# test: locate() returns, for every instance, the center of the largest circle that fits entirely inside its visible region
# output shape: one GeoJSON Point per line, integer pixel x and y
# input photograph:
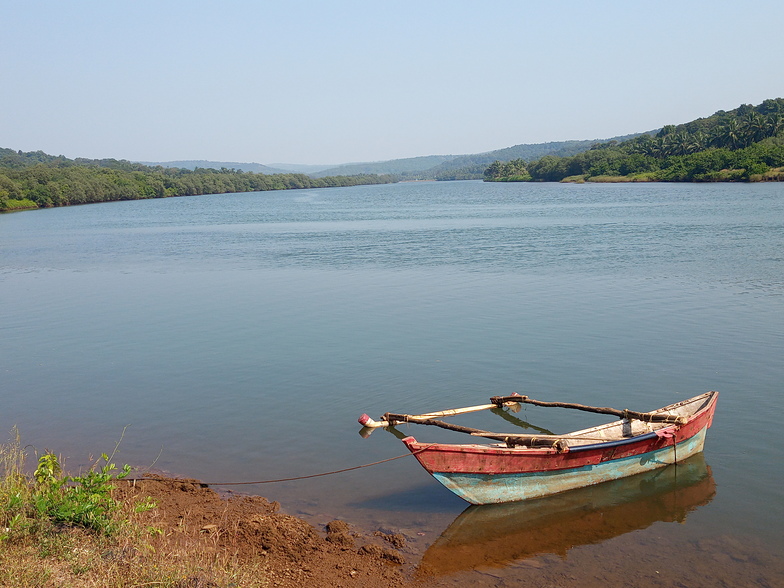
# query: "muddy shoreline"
{"type": "Point", "coordinates": [248, 527]}
{"type": "Point", "coordinates": [296, 553]}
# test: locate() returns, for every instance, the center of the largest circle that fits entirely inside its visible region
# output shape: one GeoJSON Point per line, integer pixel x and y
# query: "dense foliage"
{"type": "Point", "coordinates": [743, 144]}
{"type": "Point", "coordinates": [466, 172]}
{"type": "Point", "coordinates": [35, 179]}
{"type": "Point", "coordinates": [507, 171]}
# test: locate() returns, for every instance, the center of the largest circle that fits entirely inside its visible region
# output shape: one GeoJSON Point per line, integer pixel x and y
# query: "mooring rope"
{"type": "Point", "coordinates": [365, 465]}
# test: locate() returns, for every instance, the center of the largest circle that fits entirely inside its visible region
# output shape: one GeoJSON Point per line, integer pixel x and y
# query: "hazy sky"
{"type": "Point", "coordinates": [336, 81]}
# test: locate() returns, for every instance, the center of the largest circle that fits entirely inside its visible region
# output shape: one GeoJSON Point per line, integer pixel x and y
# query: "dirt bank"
{"type": "Point", "coordinates": [250, 528]}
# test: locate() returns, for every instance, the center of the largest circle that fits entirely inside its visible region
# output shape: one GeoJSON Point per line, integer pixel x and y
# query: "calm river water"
{"type": "Point", "coordinates": [240, 337]}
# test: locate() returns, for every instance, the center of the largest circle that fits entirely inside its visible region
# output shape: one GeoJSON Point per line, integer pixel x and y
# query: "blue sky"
{"type": "Point", "coordinates": [341, 81]}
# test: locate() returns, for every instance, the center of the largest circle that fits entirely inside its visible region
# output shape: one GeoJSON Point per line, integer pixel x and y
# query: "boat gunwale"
{"type": "Point", "coordinates": [708, 398]}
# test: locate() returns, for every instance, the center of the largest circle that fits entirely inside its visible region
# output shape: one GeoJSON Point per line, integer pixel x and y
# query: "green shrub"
{"type": "Point", "coordinates": [52, 499]}
{"type": "Point", "coordinates": [77, 501]}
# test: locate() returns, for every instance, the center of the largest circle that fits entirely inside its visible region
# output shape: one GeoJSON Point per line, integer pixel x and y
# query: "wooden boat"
{"type": "Point", "coordinates": [525, 466]}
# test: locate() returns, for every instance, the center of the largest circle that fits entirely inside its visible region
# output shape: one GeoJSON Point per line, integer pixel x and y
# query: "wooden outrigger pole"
{"type": "Point", "coordinates": [647, 417]}
{"type": "Point", "coordinates": [431, 418]}
{"type": "Point", "coordinates": [366, 421]}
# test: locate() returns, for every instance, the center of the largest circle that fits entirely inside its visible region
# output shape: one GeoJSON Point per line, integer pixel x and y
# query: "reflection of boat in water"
{"type": "Point", "coordinates": [496, 535]}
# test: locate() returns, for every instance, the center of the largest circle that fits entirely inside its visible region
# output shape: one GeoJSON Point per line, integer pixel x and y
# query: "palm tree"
{"type": "Point", "coordinates": [752, 128]}
{"type": "Point", "coordinates": [643, 144]}
{"type": "Point", "coordinates": [699, 142]}
{"type": "Point", "coordinates": [680, 143]}
{"type": "Point", "coordinates": [774, 124]}
{"type": "Point", "coordinates": [729, 135]}
{"type": "Point", "coordinates": [660, 146]}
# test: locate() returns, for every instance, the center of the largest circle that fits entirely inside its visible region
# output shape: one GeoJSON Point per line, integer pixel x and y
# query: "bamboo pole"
{"type": "Point", "coordinates": [510, 440]}
{"type": "Point", "coordinates": [366, 421]}
{"type": "Point", "coordinates": [624, 414]}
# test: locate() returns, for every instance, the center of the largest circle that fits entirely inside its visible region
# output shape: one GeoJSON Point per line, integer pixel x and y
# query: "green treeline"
{"type": "Point", "coordinates": [35, 179]}
{"type": "Point", "coordinates": [509, 171]}
{"type": "Point", "coordinates": [745, 144]}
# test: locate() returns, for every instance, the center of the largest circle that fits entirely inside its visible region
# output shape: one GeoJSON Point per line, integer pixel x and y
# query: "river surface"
{"type": "Point", "coordinates": [239, 337]}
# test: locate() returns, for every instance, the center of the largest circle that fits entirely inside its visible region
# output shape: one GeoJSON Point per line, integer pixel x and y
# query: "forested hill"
{"type": "Point", "coordinates": [471, 167]}
{"type": "Point", "coordinates": [203, 163]}
{"type": "Point", "coordinates": [410, 168]}
{"type": "Point", "coordinates": [744, 144]}
{"type": "Point", "coordinates": [463, 167]}
{"type": "Point", "coordinates": [36, 179]}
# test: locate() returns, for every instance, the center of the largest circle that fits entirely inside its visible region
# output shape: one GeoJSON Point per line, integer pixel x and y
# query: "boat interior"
{"type": "Point", "coordinates": [628, 428]}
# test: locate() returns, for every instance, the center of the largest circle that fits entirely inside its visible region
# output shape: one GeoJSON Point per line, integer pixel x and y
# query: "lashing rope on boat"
{"type": "Point", "coordinates": [648, 417]}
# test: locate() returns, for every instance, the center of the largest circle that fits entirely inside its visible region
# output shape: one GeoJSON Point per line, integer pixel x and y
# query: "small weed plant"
{"type": "Point", "coordinates": [78, 501]}
{"type": "Point", "coordinates": [54, 500]}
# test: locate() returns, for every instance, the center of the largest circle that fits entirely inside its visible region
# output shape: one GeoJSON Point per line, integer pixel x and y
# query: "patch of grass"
{"type": "Point", "coordinates": [638, 177]}
{"type": "Point", "coordinates": [51, 499]}
{"type": "Point", "coordinates": [518, 178]}
{"type": "Point", "coordinates": [610, 179]}
{"type": "Point", "coordinates": [772, 175]}
{"type": "Point", "coordinates": [89, 561]}
{"type": "Point", "coordinates": [15, 492]}
{"type": "Point", "coordinates": [724, 175]}
{"type": "Point", "coordinates": [14, 204]}
{"type": "Point", "coordinates": [60, 530]}
{"type": "Point", "coordinates": [33, 509]}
